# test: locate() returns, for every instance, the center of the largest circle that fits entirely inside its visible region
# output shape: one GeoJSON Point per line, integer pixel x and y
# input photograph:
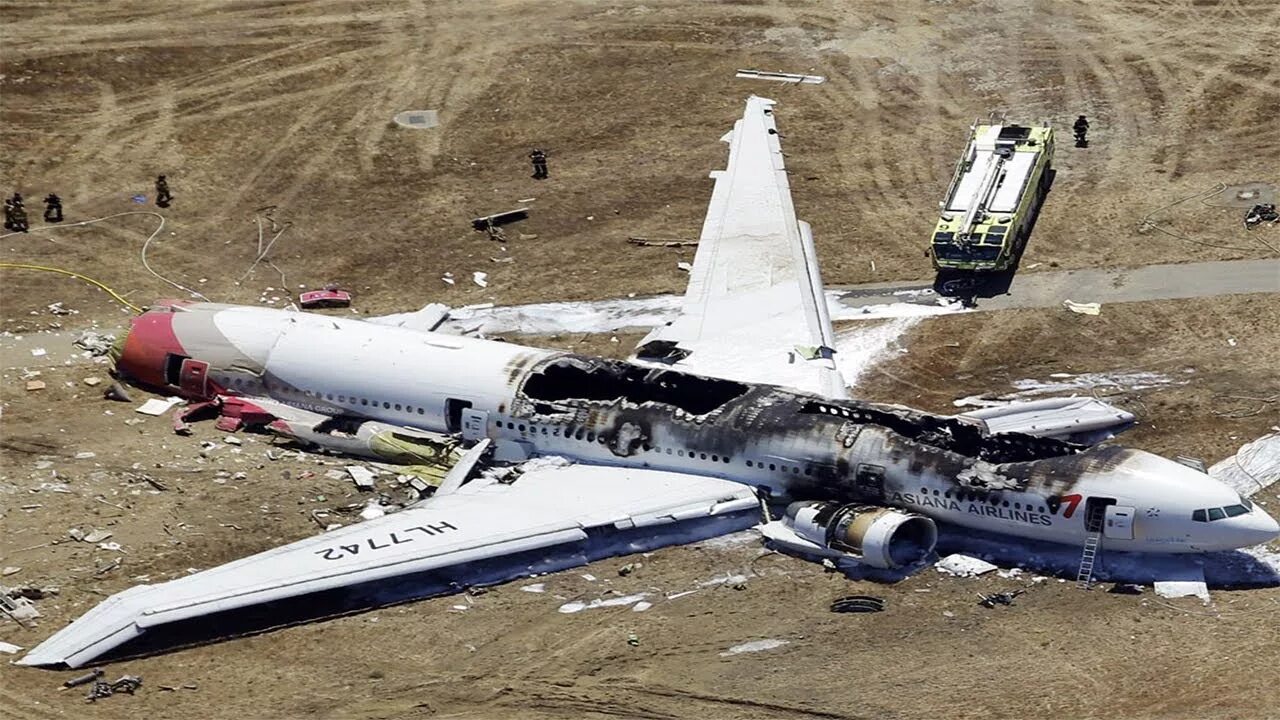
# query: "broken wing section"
{"type": "Point", "coordinates": [484, 533]}
{"type": "Point", "coordinates": [754, 310]}
{"type": "Point", "coordinates": [1080, 420]}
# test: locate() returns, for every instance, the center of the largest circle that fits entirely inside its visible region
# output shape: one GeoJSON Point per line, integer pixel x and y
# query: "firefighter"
{"type": "Point", "coordinates": [52, 208]}
{"type": "Point", "coordinates": [163, 196]}
{"type": "Point", "coordinates": [539, 160]}
{"type": "Point", "coordinates": [1081, 128]}
{"type": "Point", "coordinates": [16, 214]}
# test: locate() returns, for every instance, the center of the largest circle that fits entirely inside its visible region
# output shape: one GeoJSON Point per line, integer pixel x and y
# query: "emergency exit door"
{"type": "Point", "coordinates": [1119, 522]}
{"type": "Point", "coordinates": [193, 378]}
{"type": "Point", "coordinates": [474, 423]}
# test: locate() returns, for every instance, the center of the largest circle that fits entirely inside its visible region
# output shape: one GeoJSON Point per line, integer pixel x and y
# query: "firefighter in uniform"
{"type": "Point", "coordinates": [539, 160]}
{"type": "Point", "coordinates": [163, 196]}
{"type": "Point", "coordinates": [17, 213]}
{"type": "Point", "coordinates": [52, 208]}
{"type": "Point", "coordinates": [1082, 128]}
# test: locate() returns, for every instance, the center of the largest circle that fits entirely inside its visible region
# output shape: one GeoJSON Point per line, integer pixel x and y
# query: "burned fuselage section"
{"type": "Point", "coordinates": [792, 444]}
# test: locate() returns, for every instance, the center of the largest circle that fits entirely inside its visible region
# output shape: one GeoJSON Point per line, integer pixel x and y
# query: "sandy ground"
{"type": "Point", "coordinates": [249, 104]}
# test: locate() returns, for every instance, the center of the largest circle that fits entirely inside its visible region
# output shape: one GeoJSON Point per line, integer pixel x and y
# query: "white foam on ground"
{"type": "Point", "coordinates": [1065, 383]}
{"type": "Point", "coordinates": [755, 646]}
{"type": "Point", "coordinates": [963, 565]}
{"type": "Point", "coordinates": [858, 349]}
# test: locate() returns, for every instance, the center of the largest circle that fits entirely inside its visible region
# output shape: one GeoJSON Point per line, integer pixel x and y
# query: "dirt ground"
{"type": "Point", "coordinates": [289, 104]}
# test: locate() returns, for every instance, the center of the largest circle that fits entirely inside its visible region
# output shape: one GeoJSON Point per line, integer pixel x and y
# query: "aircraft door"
{"type": "Point", "coordinates": [193, 378]}
{"type": "Point", "coordinates": [474, 423]}
{"type": "Point", "coordinates": [868, 481]}
{"type": "Point", "coordinates": [1119, 522]}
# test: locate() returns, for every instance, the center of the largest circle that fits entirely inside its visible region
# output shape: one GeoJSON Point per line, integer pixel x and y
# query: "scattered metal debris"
{"type": "Point", "coordinates": [629, 568]}
{"type": "Point", "coordinates": [963, 566]}
{"type": "Point", "coordinates": [117, 392]}
{"type": "Point", "coordinates": [1083, 308]}
{"type": "Point", "coordinates": [127, 684]}
{"type": "Point", "coordinates": [503, 218]}
{"type": "Point", "coordinates": [781, 77]}
{"type": "Point", "coordinates": [329, 297]}
{"type": "Point", "coordinates": [857, 604]}
{"type": "Point", "coordinates": [95, 343]}
{"type": "Point", "coordinates": [1000, 598]}
{"type": "Point", "coordinates": [156, 407]}
{"type": "Point", "coordinates": [9, 648]}
{"type": "Point", "coordinates": [661, 242]}
{"type": "Point", "coordinates": [1259, 214]}
{"type": "Point", "coordinates": [84, 679]}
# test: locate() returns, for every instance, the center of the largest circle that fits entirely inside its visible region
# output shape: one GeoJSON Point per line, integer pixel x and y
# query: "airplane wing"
{"type": "Point", "coordinates": [550, 518]}
{"type": "Point", "coordinates": [754, 309]}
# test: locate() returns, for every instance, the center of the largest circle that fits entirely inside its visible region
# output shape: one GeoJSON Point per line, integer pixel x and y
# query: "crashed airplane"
{"type": "Point", "coordinates": [733, 406]}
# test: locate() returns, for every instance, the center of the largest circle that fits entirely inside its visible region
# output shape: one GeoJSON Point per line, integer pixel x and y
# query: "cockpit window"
{"type": "Point", "coordinates": [1235, 510]}
{"type": "Point", "coordinates": [1211, 514]}
{"type": "Point", "coordinates": [1199, 516]}
{"type": "Point", "coordinates": [1216, 514]}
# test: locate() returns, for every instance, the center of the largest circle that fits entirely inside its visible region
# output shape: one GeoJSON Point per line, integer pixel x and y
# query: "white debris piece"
{"type": "Point", "coordinates": [372, 509]}
{"type": "Point", "coordinates": [480, 278]}
{"type": "Point", "coordinates": [38, 352]}
{"type": "Point", "coordinates": [86, 455]}
{"type": "Point", "coordinates": [96, 536]}
{"type": "Point", "coordinates": [156, 406]}
{"type": "Point", "coordinates": [535, 588]}
{"type": "Point", "coordinates": [231, 440]}
{"type": "Point", "coordinates": [9, 648]}
{"type": "Point", "coordinates": [1183, 588]}
{"type": "Point", "coordinates": [755, 646]}
{"type": "Point", "coordinates": [641, 606]}
{"type": "Point", "coordinates": [578, 606]}
{"type": "Point", "coordinates": [362, 476]}
{"type": "Point", "coordinates": [687, 267]}
{"type": "Point", "coordinates": [10, 570]}
{"type": "Point", "coordinates": [963, 566]}
{"type": "Point", "coordinates": [1083, 308]}
{"type": "Point", "coordinates": [1254, 467]}
{"type": "Point", "coordinates": [781, 77]}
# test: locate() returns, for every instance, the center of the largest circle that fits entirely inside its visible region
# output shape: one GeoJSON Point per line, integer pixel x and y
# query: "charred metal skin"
{"type": "Point", "coordinates": [791, 445]}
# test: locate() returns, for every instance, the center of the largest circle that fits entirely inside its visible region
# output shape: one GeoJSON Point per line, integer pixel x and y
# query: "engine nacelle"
{"type": "Point", "coordinates": [883, 537]}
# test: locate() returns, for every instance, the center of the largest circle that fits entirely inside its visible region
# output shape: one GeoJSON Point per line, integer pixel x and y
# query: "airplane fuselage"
{"type": "Point", "coordinates": [791, 444]}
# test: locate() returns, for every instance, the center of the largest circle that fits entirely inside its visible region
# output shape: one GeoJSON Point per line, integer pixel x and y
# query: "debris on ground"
{"type": "Point", "coordinates": [857, 604]}
{"type": "Point", "coordinates": [1083, 308]}
{"type": "Point", "coordinates": [84, 679]}
{"type": "Point", "coordinates": [963, 566]}
{"type": "Point", "coordinates": [156, 407]}
{"type": "Point", "coordinates": [92, 381]}
{"type": "Point", "coordinates": [329, 297]}
{"type": "Point", "coordinates": [127, 684]}
{"type": "Point", "coordinates": [489, 222]}
{"type": "Point", "coordinates": [629, 568]}
{"type": "Point", "coordinates": [33, 385]}
{"type": "Point", "coordinates": [754, 646]}
{"type": "Point", "coordinates": [794, 78]}
{"type": "Point", "coordinates": [1259, 214]}
{"type": "Point", "coordinates": [95, 343]}
{"type": "Point", "coordinates": [1000, 598]}
{"type": "Point", "coordinates": [1125, 589]}
{"type": "Point", "coordinates": [362, 476]}
{"type": "Point", "coordinates": [661, 242]}
{"type": "Point", "coordinates": [577, 606]}
{"type": "Point", "coordinates": [480, 278]}
{"type": "Point", "coordinates": [633, 640]}
{"type": "Point", "coordinates": [17, 607]}
{"type": "Point", "coordinates": [117, 392]}
{"type": "Point", "coordinates": [9, 648]}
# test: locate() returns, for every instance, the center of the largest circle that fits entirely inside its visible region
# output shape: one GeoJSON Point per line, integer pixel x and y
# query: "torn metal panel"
{"type": "Point", "coordinates": [781, 77]}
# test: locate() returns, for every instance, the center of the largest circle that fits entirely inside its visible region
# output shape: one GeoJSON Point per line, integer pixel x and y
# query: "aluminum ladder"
{"type": "Point", "coordinates": [1084, 576]}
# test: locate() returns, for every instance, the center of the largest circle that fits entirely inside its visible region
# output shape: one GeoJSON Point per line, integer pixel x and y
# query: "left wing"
{"type": "Point", "coordinates": [754, 309]}
{"type": "Point", "coordinates": [486, 532]}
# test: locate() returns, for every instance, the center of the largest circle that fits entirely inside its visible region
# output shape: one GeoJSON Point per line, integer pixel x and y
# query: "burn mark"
{"type": "Point", "coordinates": [578, 378]}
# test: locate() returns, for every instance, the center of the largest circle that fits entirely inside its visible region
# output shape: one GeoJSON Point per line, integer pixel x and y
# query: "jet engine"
{"type": "Point", "coordinates": [883, 537]}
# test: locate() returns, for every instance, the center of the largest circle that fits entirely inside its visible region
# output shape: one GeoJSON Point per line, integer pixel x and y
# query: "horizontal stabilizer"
{"type": "Point", "coordinates": [1082, 420]}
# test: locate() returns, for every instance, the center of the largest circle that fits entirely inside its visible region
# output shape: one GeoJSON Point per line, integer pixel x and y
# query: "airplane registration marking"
{"type": "Point", "coordinates": [339, 552]}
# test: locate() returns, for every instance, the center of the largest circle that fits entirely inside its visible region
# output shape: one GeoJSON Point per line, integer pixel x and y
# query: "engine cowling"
{"type": "Point", "coordinates": [882, 537]}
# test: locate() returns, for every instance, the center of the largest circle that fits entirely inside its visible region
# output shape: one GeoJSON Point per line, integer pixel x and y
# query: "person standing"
{"type": "Point", "coordinates": [163, 196]}
{"type": "Point", "coordinates": [17, 213]}
{"type": "Point", "coordinates": [539, 160]}
{"type": "Point", "coordinates": [52, 208]}
{"type": "Point", "coordinates": [1081, 128]}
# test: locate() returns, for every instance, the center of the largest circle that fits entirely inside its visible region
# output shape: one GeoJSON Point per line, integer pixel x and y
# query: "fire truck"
{"type": "Point", "coordinates": [994, 196]}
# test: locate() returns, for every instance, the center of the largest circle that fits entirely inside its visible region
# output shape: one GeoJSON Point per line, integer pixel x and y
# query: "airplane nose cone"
{"type": "Point", "coordinates": [1263, 526]}
{"type": "Point", "coordinates": [146, 347]}
{"type": "Point", "coordinates": [1253, 528]}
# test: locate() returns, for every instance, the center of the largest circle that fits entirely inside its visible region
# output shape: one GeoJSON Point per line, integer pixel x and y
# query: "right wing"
{"type": "Point", "coordinates": [486, 532]}
{"type": "Point", "coordinates": [754, 310]}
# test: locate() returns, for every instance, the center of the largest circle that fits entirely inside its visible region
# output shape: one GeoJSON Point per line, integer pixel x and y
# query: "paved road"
{"type": "Point", "coordinates": [1049, 289]}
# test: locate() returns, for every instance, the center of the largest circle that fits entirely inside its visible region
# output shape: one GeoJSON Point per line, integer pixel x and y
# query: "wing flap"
{"type": "Point", "coordinates": [483, 533]}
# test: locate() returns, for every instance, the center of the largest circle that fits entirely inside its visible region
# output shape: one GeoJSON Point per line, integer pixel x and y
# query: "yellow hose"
{"type": "Point", "coordinates": [117, 296]}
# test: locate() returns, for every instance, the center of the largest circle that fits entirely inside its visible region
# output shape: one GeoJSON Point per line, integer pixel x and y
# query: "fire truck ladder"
{"type": "Point", "coordinates": [1084, 576]}
{"type": "Point", "coordinates": [986, 189]}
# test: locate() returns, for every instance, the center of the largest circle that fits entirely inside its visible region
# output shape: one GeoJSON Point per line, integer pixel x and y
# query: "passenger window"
{"type": "Point", "coordinates": [1216, 514]}
{"type": "Point", "coordinates": [1199, 516]}
{"type": "Point", "coordinates": [591, 437]}
{"type": "Point", "coordinates": [364, 401]}
{"type": "Point", "coordinates": [772, 466]}
{"type": "Point", "coordinates": [714, 458]}
{"type": "Point", "coordinates": [749, 463]}
{"type": "Point", "coordinates": [420, 411]}
{"type": "Point", "coordinates": [397, 406]}
{"type": "Point", "coordinates": [386, 404]}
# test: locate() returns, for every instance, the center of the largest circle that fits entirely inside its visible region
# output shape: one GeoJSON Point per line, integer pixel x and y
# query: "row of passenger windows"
{"type": "Point", "coordinates": [1211, 514]}
{"type": "Point", "coordinates": [589, 436]}
{"type": "Point", "coordinates": [966, 496]}
{"type": "Point", "coordinates": [242, 383]}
